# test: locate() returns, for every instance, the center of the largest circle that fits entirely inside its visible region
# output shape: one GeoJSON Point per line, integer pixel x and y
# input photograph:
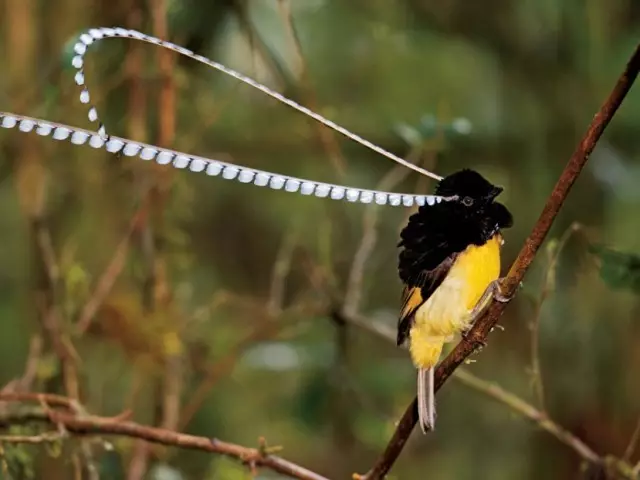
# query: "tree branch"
{"type": "Point", "coordinates": [618, 465]}
{"type": "Point", "coordinates": [528, 411]}
{"type": "Point", "coordinates": [488, 320]}
{"type": "Point", "coordinates": [84, 424]}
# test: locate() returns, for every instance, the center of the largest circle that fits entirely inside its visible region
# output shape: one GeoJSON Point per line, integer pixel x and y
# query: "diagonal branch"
{"type": "Point", "coordinates": [530, 412]}
{"type": "Point", "coordinates": [620, 466]}
{"type": "Point", "coordinates": [488, 320]}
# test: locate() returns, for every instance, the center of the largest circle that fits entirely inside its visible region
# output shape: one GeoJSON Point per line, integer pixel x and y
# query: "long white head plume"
{"type": "Point", "coordinates": [225, 170]}
{"type": "Point", "coordinates": [101, 139]}
{"type": "Point", "coordinates": [95, 34]}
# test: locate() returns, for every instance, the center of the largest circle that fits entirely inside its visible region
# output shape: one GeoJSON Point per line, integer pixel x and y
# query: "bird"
{"type": "Point", "coordinates": [449, 266]}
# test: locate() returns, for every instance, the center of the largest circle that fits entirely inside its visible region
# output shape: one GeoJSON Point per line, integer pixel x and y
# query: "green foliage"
{"type": "Point", "coordinates": [503, 86]}
{"type": "Point", "coordinates": [619, 270]}
{"type": "Point", "coordinates": [18, 462]}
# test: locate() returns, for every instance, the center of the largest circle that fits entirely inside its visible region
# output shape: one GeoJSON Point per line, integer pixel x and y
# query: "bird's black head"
{"type": "Point", "coordinates": [472, 197]}
{"type": "Point", "coordinates": [468, 188]}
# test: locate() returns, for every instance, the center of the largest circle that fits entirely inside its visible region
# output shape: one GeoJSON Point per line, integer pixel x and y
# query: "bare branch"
{"type": "Point", "coordinates": [488, 320]}
{"type": "Point", "coordinates": [512, 401]}
{"type": "Point", "coordinates": [547, 288]}
{"type": "Point", "coordinates": [48, 399]}
{"type": "Point", "coordinates": [280, 272]}
{"type": "Point", "coordinates": [633, 443]}
{"type": "Point", "coordinates": [109, 276]}
{"type": "Point", "coordinates": [46, 437]}
{"type": "Point", "coordinates": [368, 241]}
{"type": "Point", "coordinates": [528, 411]}
{"type": "Point", "coordinates": [103, 426]}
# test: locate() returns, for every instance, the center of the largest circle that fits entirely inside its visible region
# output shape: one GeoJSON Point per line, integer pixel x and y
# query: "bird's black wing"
{"type": "Point", "coordinates": [430, 243]}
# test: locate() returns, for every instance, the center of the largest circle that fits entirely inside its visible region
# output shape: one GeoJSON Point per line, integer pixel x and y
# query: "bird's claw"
{"type": "Point", "coordinates": [499, 295]}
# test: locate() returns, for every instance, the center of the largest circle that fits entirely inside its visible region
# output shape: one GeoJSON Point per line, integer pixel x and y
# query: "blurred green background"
{"type": "Point", "coordinates": [219, 319]}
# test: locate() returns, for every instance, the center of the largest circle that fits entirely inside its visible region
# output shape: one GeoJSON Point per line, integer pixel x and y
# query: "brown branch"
{"type": "Point", "coordinates": [47, 399]}
{"type": "Point", "coordinates": [488, 320]}
{"type": "Point", "coordinates": [157, 290]}
{"type": "Point", "coordinates": [633, 443]}
{"type": "Point", "coordinates": [611, 466]}
{"type": "Point", "coordinates": [110, 275]}
{"type": "Point", "coordinates": [539, 417]}
{"type": "Point", "coordinates": [114, 426]}
{"type": "Point", "coordinates": [530, 412]}
{"type": "Point", "coordinates": [46, 437]}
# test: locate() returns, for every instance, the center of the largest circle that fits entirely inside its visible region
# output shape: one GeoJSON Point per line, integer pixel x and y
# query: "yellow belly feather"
{"type": "Point", "coordinates": [446, 312]}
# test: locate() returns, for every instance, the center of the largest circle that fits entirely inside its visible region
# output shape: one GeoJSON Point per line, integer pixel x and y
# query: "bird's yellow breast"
{"type": "Point", "coordinates": [446, 312]}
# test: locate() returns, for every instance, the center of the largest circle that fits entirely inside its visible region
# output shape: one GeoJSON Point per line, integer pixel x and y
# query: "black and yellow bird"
{"type": "Point", "coordinates": [449, 265]}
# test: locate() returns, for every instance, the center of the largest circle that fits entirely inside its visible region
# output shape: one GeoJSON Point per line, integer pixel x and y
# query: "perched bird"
{"type": "Point", "coordinates": [449, 265]}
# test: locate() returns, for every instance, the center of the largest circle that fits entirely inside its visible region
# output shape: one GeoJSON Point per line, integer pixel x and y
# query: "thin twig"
{"type": "Point", "coordinates": [223, 366]}
{"type": "Point", "coordinates": [539, 417]}
{"type": "Point", "coordinates": [48, 399]}
{"type": "Point", "coordinates": [280, 272]}
{"type": "Point", "coordinates": [46, 437]}
{"type": "Point", "coordinates": [263, 330]}
{"type": "Point", "coordinates": [156, 290]}
{"type": "Point", "coordinates": [354, 290]}
{"type": "Point", "coordinates": [633, 443]}
{"type": "Point", "coordinates": [110, 275]}
{"type": "Point", "coordinates": [325, 135]}
{"type": "Point", "coordinates": [23, 383]}
{"type": "Point", "coordinates": [31, 365]}
{"type": "Point", "coordinates": [547, 288]}
{"type": "Point", "coordinates": [478, 334]}
{"type": "Point", "coordinates": [63, 348]}
{"type": "Point", "coordinates": [509, 399]}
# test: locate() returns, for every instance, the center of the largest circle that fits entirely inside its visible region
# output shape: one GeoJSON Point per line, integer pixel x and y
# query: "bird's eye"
{"type": "Point", "coordinates": [467, 201]}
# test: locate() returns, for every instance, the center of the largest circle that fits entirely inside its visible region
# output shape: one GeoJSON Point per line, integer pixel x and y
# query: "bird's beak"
{"type": "Point", "coordinates": [495, 192]}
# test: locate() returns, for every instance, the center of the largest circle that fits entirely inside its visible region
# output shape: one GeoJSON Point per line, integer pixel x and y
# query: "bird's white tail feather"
{"type": "Point", "coordinates": [426, 399]}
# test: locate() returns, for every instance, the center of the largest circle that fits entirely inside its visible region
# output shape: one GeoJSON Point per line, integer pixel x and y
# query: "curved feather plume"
{"type": "Point", "coordinates": [96, 34]}
{"type": "Point", "coordinates": [165, 156]}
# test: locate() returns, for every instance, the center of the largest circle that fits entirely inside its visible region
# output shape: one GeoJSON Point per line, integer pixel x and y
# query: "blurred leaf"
{"type": "Point", "coordinates": [618, 270]}
{"type": "Point", "coordinates": [18, 458]}
{"type": "Point", "coordinates": [430, 128]}
{"type": "Point", "coordinates": [54, 449]}
{"type": "Point", "coordinates": [461, 126]}
{"type": "Point", "coordinates": [409, 134]}
{"type": "Point", "coordinates": [48, 367]}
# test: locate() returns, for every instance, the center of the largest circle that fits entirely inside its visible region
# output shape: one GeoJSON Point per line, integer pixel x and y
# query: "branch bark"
{"type": "Point", "coordinates": [488, 320]}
